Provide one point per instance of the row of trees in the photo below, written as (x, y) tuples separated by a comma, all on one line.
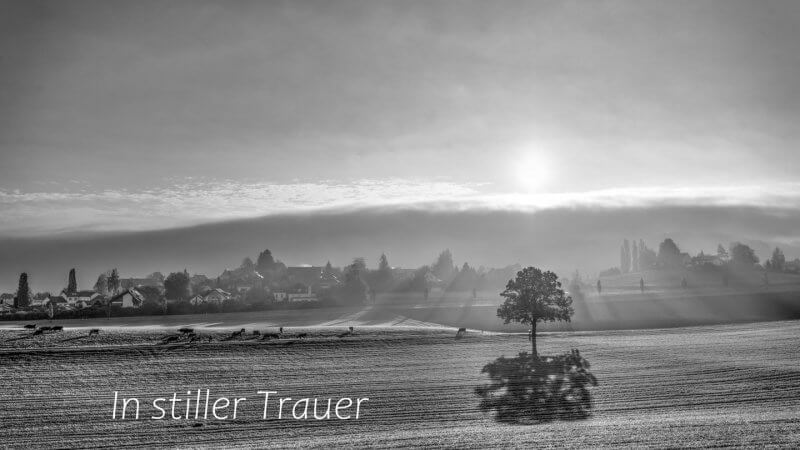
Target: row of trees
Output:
[(638, 257)]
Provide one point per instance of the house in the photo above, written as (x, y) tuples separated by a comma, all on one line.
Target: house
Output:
[(792, 266), (129, 298), (216, 296), (83, 299), (56, 300), (7, 299), (403, 274), (296, 296), (703, 260), (37, 301)]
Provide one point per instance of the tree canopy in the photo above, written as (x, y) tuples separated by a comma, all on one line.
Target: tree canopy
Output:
[(443, 268), (669, 255), (72, 284), (113, 281), (535, 296), (354, 289), (778, 260), (176, 286), (743, 256), (265, 261), (23, 298)]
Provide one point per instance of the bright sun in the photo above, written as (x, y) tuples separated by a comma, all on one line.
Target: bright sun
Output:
[(533, 170)]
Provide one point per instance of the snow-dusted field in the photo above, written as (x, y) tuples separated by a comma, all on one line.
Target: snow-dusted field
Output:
[(699, 386)]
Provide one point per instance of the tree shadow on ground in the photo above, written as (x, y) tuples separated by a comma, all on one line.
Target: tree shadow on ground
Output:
[(529, 390)]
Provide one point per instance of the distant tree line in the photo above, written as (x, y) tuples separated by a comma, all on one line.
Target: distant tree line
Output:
[(738, 256)]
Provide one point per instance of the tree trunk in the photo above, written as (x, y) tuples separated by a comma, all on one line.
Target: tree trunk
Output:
[(533, 340)]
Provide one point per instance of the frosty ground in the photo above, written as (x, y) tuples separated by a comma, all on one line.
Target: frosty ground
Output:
[(696, 386)]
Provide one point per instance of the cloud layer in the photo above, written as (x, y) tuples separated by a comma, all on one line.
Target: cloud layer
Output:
[(193, 202)]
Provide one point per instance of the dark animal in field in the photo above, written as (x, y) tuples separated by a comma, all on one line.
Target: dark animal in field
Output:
[(186, 330), (30, 326), (58, 328), (38, 331), (45, 328), (256, 333), (461, 332), (236, 334), (302, 335), (94, 331), (280, 330), (351, 330), (271, 336)]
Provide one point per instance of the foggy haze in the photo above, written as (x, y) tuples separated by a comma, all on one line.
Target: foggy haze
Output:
[(563, 239)]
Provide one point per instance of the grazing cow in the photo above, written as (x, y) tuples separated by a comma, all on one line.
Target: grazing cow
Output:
[(94, 331), (186, 330), (271, 336), (461, 332), (38, 331), (30, 326), (302, 335), (45, 328), (58, 328), (256, 333)]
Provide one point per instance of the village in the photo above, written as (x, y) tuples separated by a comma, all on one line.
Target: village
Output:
[(308, 284), (264, 284)]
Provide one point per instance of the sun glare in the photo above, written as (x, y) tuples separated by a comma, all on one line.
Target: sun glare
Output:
[(533, 170)]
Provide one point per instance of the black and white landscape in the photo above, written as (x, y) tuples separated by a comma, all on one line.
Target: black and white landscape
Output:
[(450, 224)]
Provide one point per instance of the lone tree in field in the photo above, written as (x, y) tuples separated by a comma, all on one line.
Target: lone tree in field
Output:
[(535, 296)]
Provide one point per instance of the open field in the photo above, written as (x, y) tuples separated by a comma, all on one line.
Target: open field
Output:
[(697, 386)]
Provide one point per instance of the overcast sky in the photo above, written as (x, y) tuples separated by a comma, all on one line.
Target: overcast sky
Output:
[(144, 115)]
